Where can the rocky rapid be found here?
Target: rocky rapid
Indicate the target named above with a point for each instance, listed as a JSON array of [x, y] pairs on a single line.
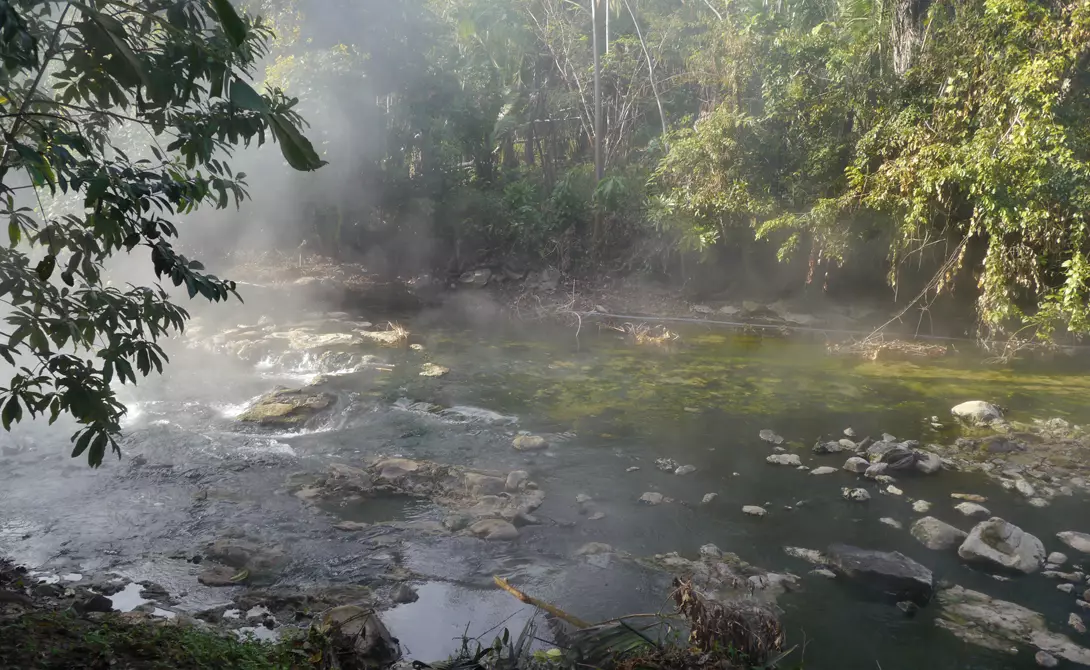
[[280, 468]]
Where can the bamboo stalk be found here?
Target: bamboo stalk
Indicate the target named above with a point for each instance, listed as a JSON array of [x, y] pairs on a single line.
[[529, 600]]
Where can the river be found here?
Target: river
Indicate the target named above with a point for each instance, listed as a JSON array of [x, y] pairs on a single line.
[[191, 472]]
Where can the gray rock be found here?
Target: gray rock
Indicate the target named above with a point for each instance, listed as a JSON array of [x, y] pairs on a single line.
[[457, 522], [1075, 540], [921, 506], [219, 576], [594, 548], [937, 535], [823, 572], [1076, 622], [827, 448], [770, 437], [582, 498], [754, 510], [784, 459], [494, 530], [708, 498], [685, 469], [891, 522], [529, 443], [1025, 488], [403, 593], [823, 470], [516, 480], [1038, 502], [928, 463], [876, 470], [997, 624], [476, 278], [711, 551], [1083, 604], [894, 491], [972, 509], [886, 572], [1057, 558], [1066, 587], [1003, 545], [847, 444], [812, 555], [1045, 659], [857, 495], [359, 638], [95, 603], [1073, 577], [652, 498], [666, 464], [856, 464], [977, 413]]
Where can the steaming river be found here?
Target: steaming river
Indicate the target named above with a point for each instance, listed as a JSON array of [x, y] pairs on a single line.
[[191, 473]]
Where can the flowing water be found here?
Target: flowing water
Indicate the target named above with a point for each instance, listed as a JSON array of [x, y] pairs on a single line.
[[192, 473]]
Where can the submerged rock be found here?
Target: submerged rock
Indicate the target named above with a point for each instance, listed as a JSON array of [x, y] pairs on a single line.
[[977, 413], [1075, 540], [593, 548], [529, 443], [770, 437], [708, 498], [666, 464], [997, 624], [921, 506], [494, 529], [652, 498], [886, 572], [891, 522], [403, 594], [830, 447], [754, 510], [685, 469], [1003, 545], [823, 470], [857, 495], [433, 370], [812, 555], [969, 497], [784, 459], [287, 407], [972, 509], [938, 535]]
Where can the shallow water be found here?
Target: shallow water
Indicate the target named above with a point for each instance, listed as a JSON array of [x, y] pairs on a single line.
[[618, 406]]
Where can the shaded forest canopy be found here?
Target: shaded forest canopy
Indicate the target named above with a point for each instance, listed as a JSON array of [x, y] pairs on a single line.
[[931, 145]]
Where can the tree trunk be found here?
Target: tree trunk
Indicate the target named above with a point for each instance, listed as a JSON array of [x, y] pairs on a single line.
[[907, 32]]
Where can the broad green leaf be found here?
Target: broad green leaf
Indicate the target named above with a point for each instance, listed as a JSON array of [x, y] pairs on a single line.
[[296, 148], [243, 95], [232, 23]]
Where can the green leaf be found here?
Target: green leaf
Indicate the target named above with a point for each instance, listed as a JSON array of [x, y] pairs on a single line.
[[45, 267], [82, 443], [14, 232], [231, 21], [13, 411], [243, 95], [296, 148]]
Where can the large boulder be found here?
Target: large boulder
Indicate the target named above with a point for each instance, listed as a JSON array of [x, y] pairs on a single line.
[[1075, 540], [494, 529], [360, 638], [997, 624], [977, 413], [1000, 544], [938, 535], [288, 407], [886, 572], [251, 561]]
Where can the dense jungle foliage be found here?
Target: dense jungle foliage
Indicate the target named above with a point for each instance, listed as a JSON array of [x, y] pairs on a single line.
[[952, 137]]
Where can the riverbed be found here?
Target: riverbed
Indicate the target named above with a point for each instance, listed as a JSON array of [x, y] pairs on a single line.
[[191, 472]]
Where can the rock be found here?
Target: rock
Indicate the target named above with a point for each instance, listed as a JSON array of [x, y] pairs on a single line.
[[1083, 604], [494, 530], [403, 593], [287, 407], [770, 437], [908, 607], [921, 506], [516, 480], [884, 479], [977, 413], [997, 624], [811, 555], [784, 459], [856, 464], [972, 509], [1025, 488], [262, 563], [95, 603], [1045, 659], [1074, 577], [847, 444], [754, 510], [529, 443], [928, 463], [1038, 502], [1056, 558], [969, 497], [433, 370], [457, 522], [218, 576], [593, 548], [359, 638], [1075, 621], [887, 572], [894, 491], [666, 464], [708, 498], [1066, 587], [823, 572], [476, 278], [685, 469], [893, 523], [351, 526], [827, 448], [937, 535], [582, 498], [858, 495], [480, 485], [702, 309], [711, 551], [876, 470], [823, 470], [1077, 541], [652, 498], [849, 432], [1003, 545]]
